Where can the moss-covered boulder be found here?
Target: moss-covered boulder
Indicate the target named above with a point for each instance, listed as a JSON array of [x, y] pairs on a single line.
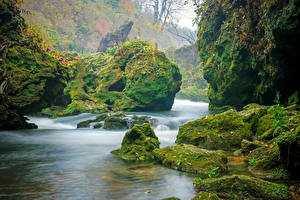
[[222, 131], [138, 78], [243, 187], [115, 122], [206, 196], [189, 158], [31, 78], [138, 144]]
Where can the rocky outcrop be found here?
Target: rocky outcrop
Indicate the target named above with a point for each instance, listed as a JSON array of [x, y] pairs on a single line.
[[116, 38], [275, 151], [189, 158], [248, 51], [138, 144], [243, 187], [31, 78]]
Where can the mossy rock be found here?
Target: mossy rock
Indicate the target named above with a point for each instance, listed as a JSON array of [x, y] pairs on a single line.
[[138, 144], [189, 158], [30, 78], [85, 124], [243, 187], [206, 196], [265, 127], [245, 62], [266, 161], [252, 113], [99, 118], [139, 78], [223, 131], [247, 146], [115, 122]]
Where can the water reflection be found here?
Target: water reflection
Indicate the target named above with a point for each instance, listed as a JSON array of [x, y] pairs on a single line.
[[61, 162]]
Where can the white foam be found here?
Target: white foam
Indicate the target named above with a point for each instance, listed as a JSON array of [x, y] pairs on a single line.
[[46, 123]]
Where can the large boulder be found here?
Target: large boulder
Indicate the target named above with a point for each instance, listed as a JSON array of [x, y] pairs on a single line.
[[117, 37], [243, 187], [223, 131], [138, 78], [189, 158], [138, 144]]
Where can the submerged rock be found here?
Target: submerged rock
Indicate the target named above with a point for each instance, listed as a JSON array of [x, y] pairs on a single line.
[[138, 144], [189, 158], [243, 187], [114, 121], [223, 131]]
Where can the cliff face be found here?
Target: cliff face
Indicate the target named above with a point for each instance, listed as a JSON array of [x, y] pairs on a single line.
[[249, 50], [30, 78]]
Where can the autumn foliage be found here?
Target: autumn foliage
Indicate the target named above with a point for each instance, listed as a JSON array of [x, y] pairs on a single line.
[[103, 27], [127, 5]]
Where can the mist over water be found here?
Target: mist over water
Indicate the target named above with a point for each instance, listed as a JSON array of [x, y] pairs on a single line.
[[58, 161]]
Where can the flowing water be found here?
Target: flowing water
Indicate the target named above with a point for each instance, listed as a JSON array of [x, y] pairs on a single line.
[[58, 161]]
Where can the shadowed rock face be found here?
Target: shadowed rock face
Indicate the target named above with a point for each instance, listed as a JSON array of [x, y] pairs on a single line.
[[245, 62], [118, 37], [30, 79]]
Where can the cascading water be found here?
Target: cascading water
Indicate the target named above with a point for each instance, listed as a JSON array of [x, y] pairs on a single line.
[[58, 161]]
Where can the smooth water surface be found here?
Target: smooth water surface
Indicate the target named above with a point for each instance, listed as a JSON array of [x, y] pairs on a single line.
[[58, 161]]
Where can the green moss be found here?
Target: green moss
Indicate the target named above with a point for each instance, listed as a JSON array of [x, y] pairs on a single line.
[[243, 187], [222, 131], [189, 158], [247, 50], [206, 196], [194, 86], [139, 77], [138, 144]]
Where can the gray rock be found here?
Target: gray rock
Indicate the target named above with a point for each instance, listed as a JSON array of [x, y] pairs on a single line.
[[117, 37]]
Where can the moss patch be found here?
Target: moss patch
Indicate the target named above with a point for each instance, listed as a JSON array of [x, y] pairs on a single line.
[[243, 187], [189, 158]]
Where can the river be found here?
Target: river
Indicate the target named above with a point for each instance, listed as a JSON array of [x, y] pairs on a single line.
[[58, 161]]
